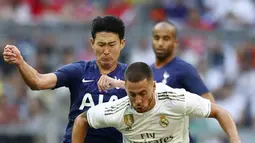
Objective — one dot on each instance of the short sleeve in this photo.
(193, 82)
(108, 114)
(196, 105)
(69, 73)
(96, 117)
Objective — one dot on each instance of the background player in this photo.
(151, 112)
(172, 70)
(80, 77)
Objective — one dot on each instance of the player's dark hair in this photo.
(108, 24)
(138, 71)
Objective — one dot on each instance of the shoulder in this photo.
(183, 64)
(167, 91)
(184, 67)
(111, 110)
(116, 107)
(114, 111)
(173, 99)
(77, 64)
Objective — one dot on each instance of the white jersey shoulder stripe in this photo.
(171, 96)
(115, 108)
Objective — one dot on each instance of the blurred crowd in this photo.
(202, 14)
(226, 66)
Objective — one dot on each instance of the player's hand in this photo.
(105, 83)
(12, 55)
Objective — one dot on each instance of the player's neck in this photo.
(161, 63)
(106, 69)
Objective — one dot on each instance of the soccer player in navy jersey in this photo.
(170, 69)
(81, 77)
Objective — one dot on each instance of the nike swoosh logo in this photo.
(86, 81)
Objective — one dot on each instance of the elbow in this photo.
(221, 113)
(36, 83)
(80, 121)
(35, 86)
(79, 129)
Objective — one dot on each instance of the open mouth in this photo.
(139, 109)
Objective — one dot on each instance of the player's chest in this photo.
(88, 94)
(156, 127)
(89, 83)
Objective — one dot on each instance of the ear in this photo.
(122, 43)
(92, 42)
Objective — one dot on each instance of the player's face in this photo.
(141, 94)
(163, 42)
(107, 47)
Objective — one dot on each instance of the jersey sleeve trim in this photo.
(209, 109)
(89, 120)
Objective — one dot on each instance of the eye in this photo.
(112, 45)
(166, 38)
(156, 37)
(101, 45)
(143, 93)
(132, 95)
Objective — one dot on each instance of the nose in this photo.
(106, 51)
(160, 42)
(138, 100)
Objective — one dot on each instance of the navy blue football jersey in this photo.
(81, 78)
(180, 74)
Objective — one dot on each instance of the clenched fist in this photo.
(12, 55)
(105, 83)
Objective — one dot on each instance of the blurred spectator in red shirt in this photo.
(80, 11)
(121, 9)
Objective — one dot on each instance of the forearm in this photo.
(79, 129)
(228, 125)
(29, 74)
(119, 83)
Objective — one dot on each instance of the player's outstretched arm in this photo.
(226, 121)
(95, 117)
(33, 79)
(197, 106)
(80, 128)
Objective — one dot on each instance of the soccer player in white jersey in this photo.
(151, 113)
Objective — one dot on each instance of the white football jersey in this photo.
(166, 122)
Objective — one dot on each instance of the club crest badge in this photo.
(163, 121)
(129, 121)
